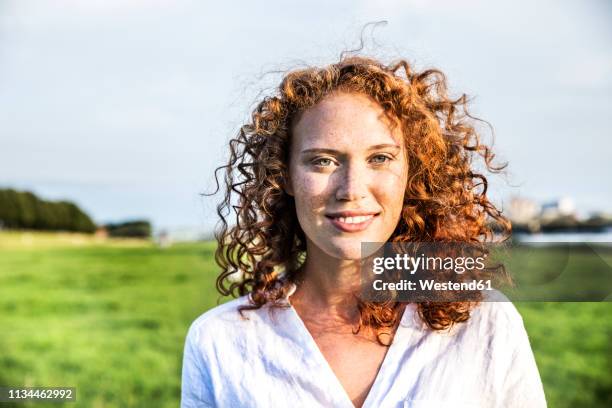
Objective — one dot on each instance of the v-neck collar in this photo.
(325, 367)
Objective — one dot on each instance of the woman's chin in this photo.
(346, 252)
(348, 248)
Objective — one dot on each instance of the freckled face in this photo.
(347, 173)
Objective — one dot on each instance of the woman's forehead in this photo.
(345, 120)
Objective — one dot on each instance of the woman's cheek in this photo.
(391, 179)
(311, 195)
(312, 186)
(390, 189)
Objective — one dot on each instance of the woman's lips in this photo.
(352, 224)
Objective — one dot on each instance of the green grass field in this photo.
(109, 318)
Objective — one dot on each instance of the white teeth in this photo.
(354, 220)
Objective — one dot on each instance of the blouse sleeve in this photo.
(196, 388)
(523, 386)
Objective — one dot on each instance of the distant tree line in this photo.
(22, 209)
(132, 229)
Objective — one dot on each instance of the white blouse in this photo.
(271, 360)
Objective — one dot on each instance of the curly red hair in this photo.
(445, 198)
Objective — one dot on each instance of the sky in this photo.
(126, 106)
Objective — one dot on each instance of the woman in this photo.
(353, 152)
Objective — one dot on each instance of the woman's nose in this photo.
(352, 184)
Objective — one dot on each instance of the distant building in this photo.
(163, 239)
(563, 207)
(186, 234)
(553, 216)
(523, 210)
(101, 233)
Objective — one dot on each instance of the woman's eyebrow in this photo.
(333, 151)
(384, 146)
(320, 150)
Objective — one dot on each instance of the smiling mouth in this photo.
(353, 223)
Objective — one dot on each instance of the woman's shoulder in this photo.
(226, 320)
(219, 318)
(497, 309)
(494, 328)
(493, 314)
(496, 316)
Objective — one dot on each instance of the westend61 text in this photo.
(431, 284)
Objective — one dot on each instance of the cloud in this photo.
(428, 6)
(44, 15)
(114, 6)
(589, 72)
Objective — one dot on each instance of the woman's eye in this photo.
(380, 159)
(324, 162)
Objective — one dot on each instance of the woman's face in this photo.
(348, 172)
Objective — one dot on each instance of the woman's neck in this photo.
(329, 284)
